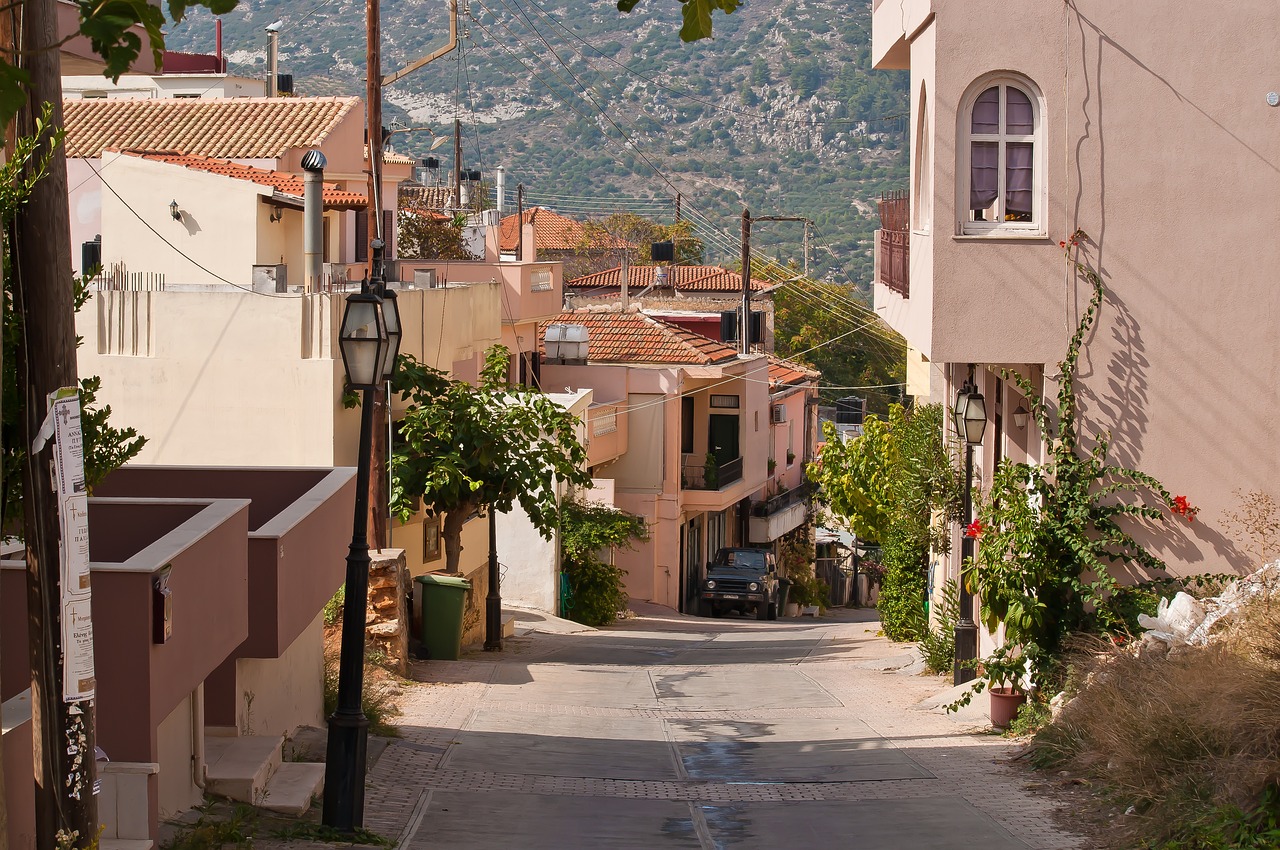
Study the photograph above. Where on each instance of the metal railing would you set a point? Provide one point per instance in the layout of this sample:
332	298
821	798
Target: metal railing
895	242
771	506
697	474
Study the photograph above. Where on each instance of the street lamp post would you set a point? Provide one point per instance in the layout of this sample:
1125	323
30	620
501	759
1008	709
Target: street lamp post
367	357
970	417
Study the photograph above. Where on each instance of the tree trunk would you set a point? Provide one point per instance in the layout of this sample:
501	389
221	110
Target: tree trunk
452	534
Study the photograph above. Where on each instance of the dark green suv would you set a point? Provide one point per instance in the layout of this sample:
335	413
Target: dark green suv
743	580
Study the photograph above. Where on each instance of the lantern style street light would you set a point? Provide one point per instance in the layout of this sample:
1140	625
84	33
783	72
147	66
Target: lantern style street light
969	416
369	340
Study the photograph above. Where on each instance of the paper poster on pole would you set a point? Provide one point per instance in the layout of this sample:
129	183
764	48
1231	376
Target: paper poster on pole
77	650
64	426
73	502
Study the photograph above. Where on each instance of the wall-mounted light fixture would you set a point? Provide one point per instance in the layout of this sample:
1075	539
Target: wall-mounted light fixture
174	211
277	214
1020	417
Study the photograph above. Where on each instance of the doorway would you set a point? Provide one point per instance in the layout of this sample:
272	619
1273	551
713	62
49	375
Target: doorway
722	437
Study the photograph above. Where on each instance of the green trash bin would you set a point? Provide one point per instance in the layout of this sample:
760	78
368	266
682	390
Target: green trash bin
442	600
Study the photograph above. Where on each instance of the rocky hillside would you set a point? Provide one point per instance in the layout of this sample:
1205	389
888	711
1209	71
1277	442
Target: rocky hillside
595	111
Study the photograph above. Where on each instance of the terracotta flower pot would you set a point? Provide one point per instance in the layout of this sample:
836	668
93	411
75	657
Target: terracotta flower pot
1004	705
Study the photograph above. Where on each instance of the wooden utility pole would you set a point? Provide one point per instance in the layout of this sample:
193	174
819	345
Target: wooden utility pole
457	164
379	483
744	324
40	244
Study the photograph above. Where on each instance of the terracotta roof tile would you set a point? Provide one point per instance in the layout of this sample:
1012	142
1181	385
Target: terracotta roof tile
230	128
287	184
681	278
787	373
551	231
637	338
427	197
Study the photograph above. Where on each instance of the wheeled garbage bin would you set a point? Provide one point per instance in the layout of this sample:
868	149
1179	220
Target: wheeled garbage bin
784	591
442	602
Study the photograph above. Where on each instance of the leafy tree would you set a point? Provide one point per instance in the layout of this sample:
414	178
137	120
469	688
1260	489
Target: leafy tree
597	586
462	447
641	233
105	447
900	487
812	320
697	15
428	236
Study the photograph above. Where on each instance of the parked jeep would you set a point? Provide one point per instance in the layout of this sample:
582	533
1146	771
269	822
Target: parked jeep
743	580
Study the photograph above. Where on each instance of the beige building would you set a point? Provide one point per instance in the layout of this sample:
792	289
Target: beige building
1157	137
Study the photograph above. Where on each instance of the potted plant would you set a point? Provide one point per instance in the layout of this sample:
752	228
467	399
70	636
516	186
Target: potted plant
773	464
791	457
711	471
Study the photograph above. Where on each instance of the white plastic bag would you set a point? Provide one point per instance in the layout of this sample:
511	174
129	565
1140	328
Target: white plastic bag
1175	620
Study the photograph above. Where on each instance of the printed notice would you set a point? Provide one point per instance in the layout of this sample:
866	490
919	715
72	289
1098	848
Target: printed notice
73	502
77	650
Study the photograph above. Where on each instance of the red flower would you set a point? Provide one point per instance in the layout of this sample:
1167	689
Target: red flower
1183	507
1062	244
973	530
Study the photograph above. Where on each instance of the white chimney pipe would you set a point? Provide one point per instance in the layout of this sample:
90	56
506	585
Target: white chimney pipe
313	163
502	189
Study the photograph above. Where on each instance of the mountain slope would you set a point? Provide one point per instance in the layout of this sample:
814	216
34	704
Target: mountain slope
595	111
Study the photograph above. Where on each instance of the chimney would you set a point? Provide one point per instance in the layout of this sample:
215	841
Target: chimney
625	279
313	163
217	45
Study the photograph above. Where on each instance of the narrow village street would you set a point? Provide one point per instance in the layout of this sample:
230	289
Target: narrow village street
673	731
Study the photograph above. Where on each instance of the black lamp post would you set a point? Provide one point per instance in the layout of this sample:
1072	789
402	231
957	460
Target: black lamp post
970	418
366	348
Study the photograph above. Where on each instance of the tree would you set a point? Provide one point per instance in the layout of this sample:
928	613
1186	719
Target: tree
640	233
596	585
430	236
462	447
897	486
697	15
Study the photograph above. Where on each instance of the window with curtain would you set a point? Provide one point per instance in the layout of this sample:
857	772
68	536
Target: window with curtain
1002	136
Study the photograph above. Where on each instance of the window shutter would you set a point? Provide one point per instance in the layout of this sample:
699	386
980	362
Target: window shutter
362	236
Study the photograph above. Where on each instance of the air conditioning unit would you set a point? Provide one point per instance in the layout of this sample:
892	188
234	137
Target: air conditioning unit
778	413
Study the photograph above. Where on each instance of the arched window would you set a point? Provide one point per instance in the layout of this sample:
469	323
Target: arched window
1001	158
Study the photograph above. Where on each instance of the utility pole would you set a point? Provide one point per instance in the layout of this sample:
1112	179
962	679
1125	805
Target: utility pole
379	486
744	323
519	221
457	164
675	236
745	346
40	250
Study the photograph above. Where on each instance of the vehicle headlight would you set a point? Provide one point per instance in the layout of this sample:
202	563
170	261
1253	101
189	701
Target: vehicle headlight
711	585
753	586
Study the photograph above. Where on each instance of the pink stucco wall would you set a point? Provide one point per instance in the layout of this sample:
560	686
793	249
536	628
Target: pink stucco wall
1160	145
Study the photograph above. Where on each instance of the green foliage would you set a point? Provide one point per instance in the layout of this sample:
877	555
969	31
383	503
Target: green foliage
812	327
586	531
309	831
377	696
641	233
1032	716
697	15
938	643
333	608
461	447
1050	533
105	447
423	236
212	833
890	484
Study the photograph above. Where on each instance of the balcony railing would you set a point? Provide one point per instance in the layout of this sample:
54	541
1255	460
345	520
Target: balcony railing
697	474
782	501
895	244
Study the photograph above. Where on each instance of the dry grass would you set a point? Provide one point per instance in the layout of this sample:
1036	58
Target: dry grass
380	692
1182	737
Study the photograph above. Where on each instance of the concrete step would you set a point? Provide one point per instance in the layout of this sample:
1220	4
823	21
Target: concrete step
239	768
508	625
293	787
126	844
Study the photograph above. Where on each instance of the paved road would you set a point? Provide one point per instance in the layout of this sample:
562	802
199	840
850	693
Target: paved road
670	731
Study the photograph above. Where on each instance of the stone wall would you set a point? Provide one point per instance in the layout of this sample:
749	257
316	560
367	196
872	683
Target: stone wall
387	620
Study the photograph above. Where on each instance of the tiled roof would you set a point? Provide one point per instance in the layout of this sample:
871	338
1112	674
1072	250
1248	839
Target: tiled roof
637	338
230	128
551	231
287	184
784	373
427	197
393	158
682	278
